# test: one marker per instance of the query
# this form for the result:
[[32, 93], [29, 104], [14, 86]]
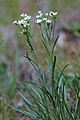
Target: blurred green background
[[12, 44]]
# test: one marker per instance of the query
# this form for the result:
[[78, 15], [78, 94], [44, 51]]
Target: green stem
[[54, 29], [45, 44], [35, 57], [47, 33], [33, 52]]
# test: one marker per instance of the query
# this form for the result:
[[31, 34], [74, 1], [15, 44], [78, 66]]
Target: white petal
[[48, 21], [15, 22], [46, 14], [38, 21], [38, 16], [22, 14], [44, 19], [55, 13], [39, 12], [27, 18], [25, 15]]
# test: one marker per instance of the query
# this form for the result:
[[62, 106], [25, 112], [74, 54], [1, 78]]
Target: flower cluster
[[24, 23], [45, 18]]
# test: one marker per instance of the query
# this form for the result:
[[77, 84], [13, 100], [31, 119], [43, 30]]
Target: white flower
[[15, 22], [22, 15], [38, 21], [39, 12], [27, 18], [26, 24], [44, 19], [37, 16], [23, 22], [46, 14], [48, 21], [53, 13], [25, 15], [20, 22]]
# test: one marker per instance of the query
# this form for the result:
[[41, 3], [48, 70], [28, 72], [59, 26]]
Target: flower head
[[27, 17], [37, 16], [38, 21], [46, 14], [39, 12], [23, 15], [24, 22], [26, 25], [44, 20], [15, 22], [20, 22], [53, 14], [40, 15], [48, 22]]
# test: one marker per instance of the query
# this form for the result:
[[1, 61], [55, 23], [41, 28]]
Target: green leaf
[[52, 73], [26, 100], [50, 97], [77, 108], [54, 44], [59, 84], [39, 106], [33, 115]]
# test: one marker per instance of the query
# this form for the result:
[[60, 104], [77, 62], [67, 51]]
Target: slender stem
[[47, 33], [54, 29], [33, 52], [45, 44], [32, 61], [35, 57]]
